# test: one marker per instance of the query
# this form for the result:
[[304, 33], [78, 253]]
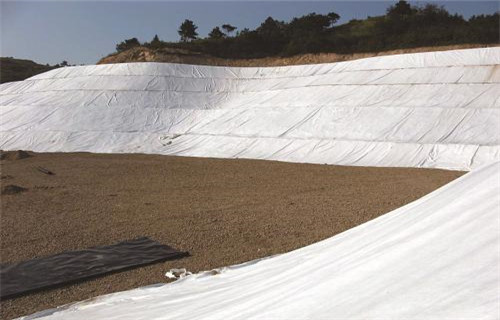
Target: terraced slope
[[438, 109], [437, 257]]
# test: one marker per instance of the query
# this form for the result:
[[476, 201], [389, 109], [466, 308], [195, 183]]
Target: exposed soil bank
[[143, 54], [222, 211]]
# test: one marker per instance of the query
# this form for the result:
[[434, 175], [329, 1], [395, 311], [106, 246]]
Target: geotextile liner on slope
[[434, 110], [72, 266]]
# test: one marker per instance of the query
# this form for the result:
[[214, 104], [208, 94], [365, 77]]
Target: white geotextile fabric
[[438, 109], [435, 258]]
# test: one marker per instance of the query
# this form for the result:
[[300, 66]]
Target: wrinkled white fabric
[[438, 109], [435, 258]]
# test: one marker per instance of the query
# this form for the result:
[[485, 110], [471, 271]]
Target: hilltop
[[12, 69], [317, 38]]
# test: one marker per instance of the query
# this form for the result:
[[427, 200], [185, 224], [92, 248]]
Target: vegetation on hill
[[19, 69], [403, 26], [312, 38]]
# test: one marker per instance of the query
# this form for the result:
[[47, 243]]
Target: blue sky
[[82, 32]]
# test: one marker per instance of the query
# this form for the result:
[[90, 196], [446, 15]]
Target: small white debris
[[178, 273]]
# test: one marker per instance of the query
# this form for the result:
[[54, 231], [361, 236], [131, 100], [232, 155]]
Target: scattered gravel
[[222, 211]]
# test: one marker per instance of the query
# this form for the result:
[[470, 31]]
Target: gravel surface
[[222, 211]]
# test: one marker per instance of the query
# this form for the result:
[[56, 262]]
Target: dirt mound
[[12, 189], [172, 55], [143, 54], [14, 155]]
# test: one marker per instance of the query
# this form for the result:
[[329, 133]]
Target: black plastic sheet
[[72, 266]]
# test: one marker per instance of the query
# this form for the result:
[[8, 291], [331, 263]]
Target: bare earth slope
[[143, 54], [223, 212]]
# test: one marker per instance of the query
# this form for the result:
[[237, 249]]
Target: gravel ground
[[222, 211]]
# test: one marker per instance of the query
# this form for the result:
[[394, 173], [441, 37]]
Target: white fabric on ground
[[435, 258], [438, 109]]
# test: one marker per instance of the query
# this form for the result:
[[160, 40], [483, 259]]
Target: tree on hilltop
[[127, 44], [187, 31], [271, 28], [216, 33], [228, 28], [156, 42], [402, 8]]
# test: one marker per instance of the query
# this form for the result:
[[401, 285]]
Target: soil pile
[[12, 189], [14, 155]]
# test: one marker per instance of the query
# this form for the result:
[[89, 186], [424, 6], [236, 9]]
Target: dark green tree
[[242, 32], [269, 38], [127, 44], [271, 28], [308, 34], [313, 23], [216, 33], [187, 31], [228, 28], [484, 28], [334, 17], [155, 43], [402, 8]]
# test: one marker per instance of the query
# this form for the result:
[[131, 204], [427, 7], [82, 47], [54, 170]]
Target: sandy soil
[[143, 54], [222, 211]]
